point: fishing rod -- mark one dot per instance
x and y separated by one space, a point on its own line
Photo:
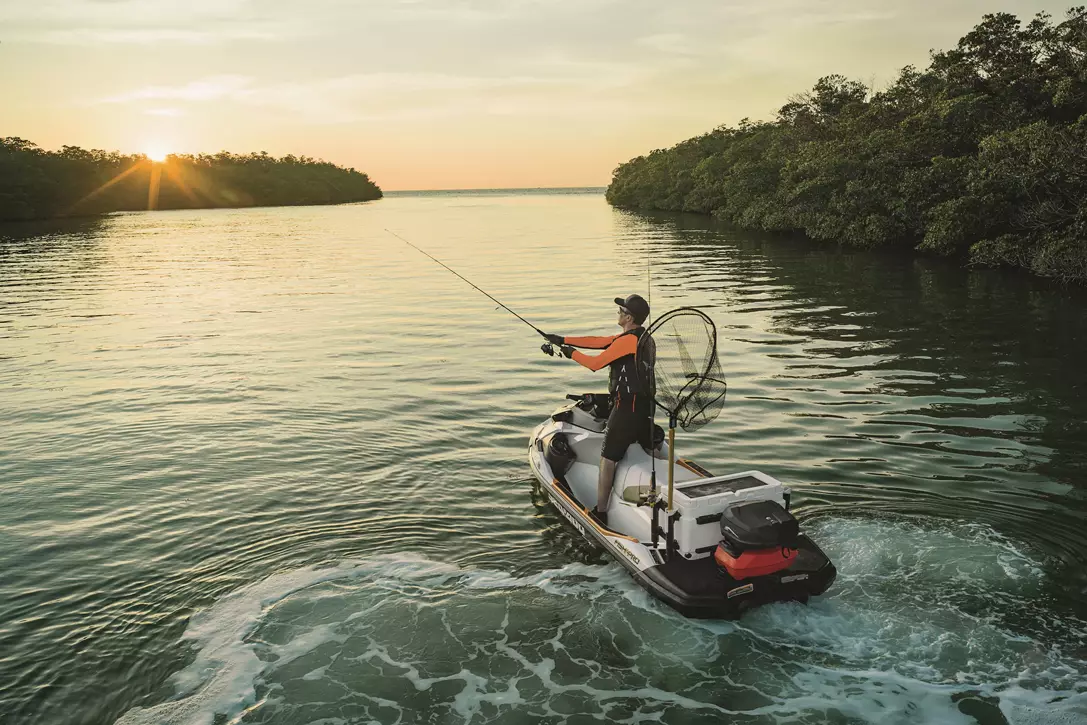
540 332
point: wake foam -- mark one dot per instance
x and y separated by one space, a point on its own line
927 623
223 678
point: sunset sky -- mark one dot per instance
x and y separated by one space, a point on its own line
428 94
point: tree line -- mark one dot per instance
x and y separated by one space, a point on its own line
982 155
39 184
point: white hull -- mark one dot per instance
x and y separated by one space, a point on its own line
686 577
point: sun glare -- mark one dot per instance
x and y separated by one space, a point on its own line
156 154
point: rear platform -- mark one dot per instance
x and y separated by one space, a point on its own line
702 589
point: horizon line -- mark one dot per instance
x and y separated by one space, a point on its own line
495 188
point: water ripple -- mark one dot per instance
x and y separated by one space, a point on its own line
206 410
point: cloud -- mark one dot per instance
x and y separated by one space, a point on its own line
153 36
122 13
369 96
127 22
208 89
675 43
542 59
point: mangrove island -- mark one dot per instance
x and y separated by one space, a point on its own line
982 155
39 184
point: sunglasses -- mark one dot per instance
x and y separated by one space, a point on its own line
623 311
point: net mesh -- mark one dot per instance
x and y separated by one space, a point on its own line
677 361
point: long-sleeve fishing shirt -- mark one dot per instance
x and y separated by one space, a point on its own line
620 353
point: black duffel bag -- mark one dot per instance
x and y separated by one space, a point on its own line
755 525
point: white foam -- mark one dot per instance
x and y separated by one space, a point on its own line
222 679
1031 707
905 608
899 639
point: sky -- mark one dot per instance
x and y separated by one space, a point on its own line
443 94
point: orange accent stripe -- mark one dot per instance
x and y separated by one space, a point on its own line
591 342
582 509
690 467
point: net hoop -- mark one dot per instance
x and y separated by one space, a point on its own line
694 397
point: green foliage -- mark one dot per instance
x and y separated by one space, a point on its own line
37 184
982 155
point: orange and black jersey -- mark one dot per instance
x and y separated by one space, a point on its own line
620 353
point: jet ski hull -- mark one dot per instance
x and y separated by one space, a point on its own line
691 581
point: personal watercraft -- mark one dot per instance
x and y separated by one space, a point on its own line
729 543
716 546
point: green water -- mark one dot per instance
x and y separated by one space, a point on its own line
269 466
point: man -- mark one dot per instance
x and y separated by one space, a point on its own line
632 402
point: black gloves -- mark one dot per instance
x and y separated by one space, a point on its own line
555 339
567 350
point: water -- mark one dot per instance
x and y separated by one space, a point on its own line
268 466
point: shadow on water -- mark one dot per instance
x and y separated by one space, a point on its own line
965 383
39 253
15 235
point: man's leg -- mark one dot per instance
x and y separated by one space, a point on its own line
617 438
603 487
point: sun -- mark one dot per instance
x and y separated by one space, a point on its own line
156 154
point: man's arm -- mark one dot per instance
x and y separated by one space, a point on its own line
592 343
620 346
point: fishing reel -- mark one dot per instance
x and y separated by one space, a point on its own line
562 351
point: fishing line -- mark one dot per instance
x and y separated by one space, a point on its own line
476 287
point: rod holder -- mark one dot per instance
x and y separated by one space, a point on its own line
671 461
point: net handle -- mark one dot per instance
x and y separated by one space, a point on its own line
683 396
671 463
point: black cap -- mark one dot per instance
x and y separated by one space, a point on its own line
637 306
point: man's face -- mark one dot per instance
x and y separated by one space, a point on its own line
624 316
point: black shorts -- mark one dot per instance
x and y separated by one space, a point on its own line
627 424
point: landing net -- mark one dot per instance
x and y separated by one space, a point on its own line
677 361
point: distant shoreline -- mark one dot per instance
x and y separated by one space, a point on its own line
518 190
39 184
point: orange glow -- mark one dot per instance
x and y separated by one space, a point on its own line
105 186
153 187
175 176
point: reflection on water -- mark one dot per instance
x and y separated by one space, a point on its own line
974 373
269 464
41 233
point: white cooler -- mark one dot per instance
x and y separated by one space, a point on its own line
701 502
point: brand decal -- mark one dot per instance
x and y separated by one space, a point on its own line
793 578
612 540
626 552
745 589
570 517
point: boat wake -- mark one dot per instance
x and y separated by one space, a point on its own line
928 622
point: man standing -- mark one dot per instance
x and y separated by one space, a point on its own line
632 403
